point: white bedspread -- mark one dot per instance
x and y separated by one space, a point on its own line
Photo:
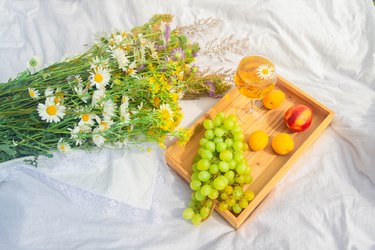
132 200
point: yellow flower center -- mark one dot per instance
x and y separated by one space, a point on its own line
62 147
265 71
85 117
104 124
31 93
51 110
98 78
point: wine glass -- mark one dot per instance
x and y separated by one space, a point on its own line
255 77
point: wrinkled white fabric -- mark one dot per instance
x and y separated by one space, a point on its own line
326 201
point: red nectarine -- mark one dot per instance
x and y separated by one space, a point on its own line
298 118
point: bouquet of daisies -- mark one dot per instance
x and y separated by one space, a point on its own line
122 91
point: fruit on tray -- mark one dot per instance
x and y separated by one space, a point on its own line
220 170
298 118
258 140
282 143
274 99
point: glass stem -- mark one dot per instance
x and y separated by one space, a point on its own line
252 106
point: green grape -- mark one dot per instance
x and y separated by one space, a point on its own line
237 145
236 128
210 146
200 150
209 134
195 185
209 203
221 146
208 124
232 164
196 220
194 176
229 124
240 179
243 203
219 132
237 193
229 142
205 189
231 201
192 204
218 140
223 206
204 212
219 183
226 155
249 195
221 115
206 154
238 135
203 164
213 194
223 166
248 179
197 158
203 141
214 169
231 181
188 213
241 168
224 196
225 180
204 176
237 208
195 167
229 175
245 147
228 189
199 196
233 118
238 156
218 121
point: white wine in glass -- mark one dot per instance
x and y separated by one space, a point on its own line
255 78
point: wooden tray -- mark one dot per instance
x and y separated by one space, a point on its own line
267 167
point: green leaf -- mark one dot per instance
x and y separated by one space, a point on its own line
8 149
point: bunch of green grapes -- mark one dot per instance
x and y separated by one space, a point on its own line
220 170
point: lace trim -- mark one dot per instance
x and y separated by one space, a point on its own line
95 202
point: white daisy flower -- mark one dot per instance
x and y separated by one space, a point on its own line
62 146
265 72
77 133
125 101
98 140
81 92
131 71
100 77
87 119
97 96
34 93
78 78
95 62
109 108
118 39
48 92
105 124
120 56
50 111
124 114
